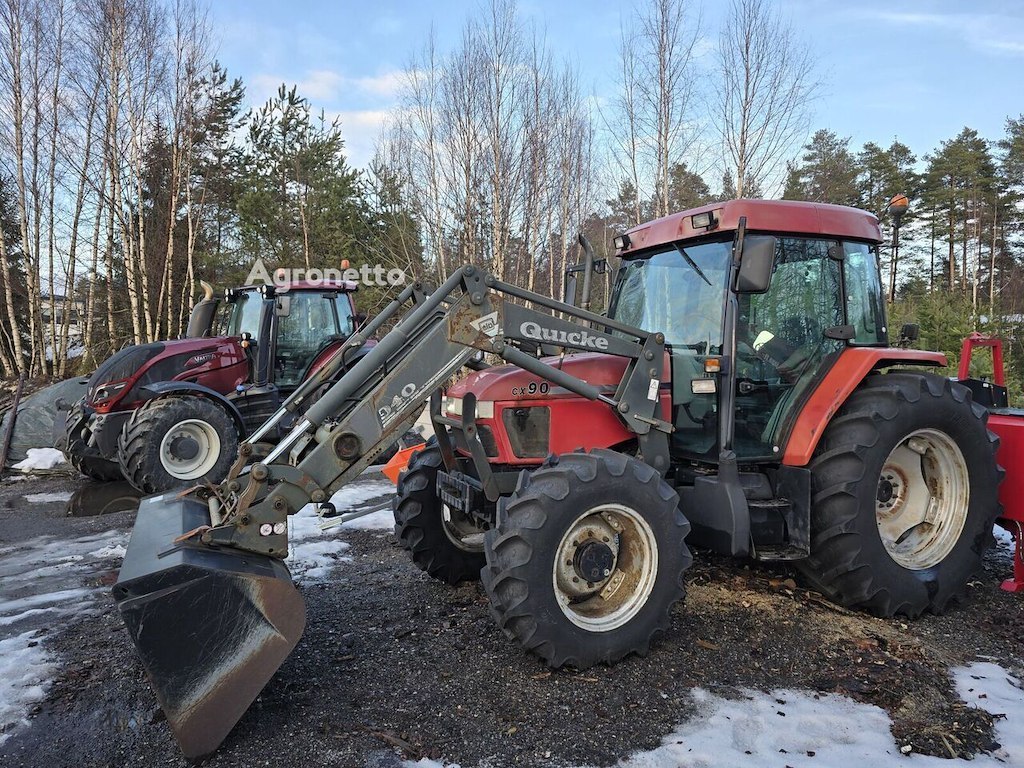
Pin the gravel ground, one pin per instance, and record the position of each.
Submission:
(395, 666)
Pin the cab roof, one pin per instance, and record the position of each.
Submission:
(766, 216)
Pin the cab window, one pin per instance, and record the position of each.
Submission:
(307, 322)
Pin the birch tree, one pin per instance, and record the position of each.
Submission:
(656, 120)
(765, 90)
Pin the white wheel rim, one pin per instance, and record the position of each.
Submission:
(922, 499)
(208, 441)
(615, 597)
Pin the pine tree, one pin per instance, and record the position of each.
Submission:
(300, 204)
(827, 172)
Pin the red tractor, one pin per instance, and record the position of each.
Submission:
(170, 414)
(740, 394)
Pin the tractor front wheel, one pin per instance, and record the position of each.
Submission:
(905, 496)
(587, 559)
(444, 542)
(177, 442)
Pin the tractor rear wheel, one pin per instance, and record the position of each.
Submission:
(587, 559)
(905, 488)
(83, 458)
(444, 542)
(177, 442)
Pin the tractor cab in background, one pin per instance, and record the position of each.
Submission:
(287, 330)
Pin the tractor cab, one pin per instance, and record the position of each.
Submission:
(779, 317)
(287, 331)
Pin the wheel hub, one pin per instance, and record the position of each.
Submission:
(184, 447)
(922, 499)
(605, 567)
(190, 449)
(594, 561)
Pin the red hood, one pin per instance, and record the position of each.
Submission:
(498, 383)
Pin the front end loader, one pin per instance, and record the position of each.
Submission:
(739, 394)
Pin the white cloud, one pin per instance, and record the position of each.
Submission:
(327, 88)
(361, 129)
(990, 33)
(385, 85)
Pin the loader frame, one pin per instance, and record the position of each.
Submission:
(379, 398)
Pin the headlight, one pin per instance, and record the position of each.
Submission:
(108, 390)
(484, 408)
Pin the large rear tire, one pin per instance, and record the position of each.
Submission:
(83, 458)
(442, 541)
(177, 442)
(587, 559)
(905, 486)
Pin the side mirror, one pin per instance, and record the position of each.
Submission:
(283, 306)
(909, 333)
(756, 262)
(357, 321)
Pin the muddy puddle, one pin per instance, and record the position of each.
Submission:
(94, 499)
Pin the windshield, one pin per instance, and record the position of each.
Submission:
(240, 316)
(678, 292)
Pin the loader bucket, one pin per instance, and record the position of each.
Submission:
(211, 626)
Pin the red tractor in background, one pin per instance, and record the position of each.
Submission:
(170, 413)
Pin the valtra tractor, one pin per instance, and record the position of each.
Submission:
(170, 414)
(739, 394)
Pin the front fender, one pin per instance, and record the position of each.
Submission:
(170, 388)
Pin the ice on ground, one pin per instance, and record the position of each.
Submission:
(25, 673)
(990, 687)
(1004, 539)
(40, 458)
(42, 582)
(47, 498)
(352, 496)
(802, 728)
(314, 551)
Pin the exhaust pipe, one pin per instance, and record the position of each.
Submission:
(211, 626)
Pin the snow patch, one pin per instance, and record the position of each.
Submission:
(40, 458)
(47, 498)
(352, 496)
(74, 349)
(43, 582)
(1004, 539)
(312, 552)
(785, 727)
(990, 687)
(25, 672)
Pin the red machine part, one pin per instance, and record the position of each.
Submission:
(1009, 425)
(1010, 428)
(575, 422)
(974, 341)
(219, 363)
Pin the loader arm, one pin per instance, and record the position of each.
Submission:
(203, 591)
(381, 396)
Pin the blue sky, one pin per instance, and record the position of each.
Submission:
(919, 71)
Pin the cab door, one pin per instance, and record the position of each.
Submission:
(781, 346)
